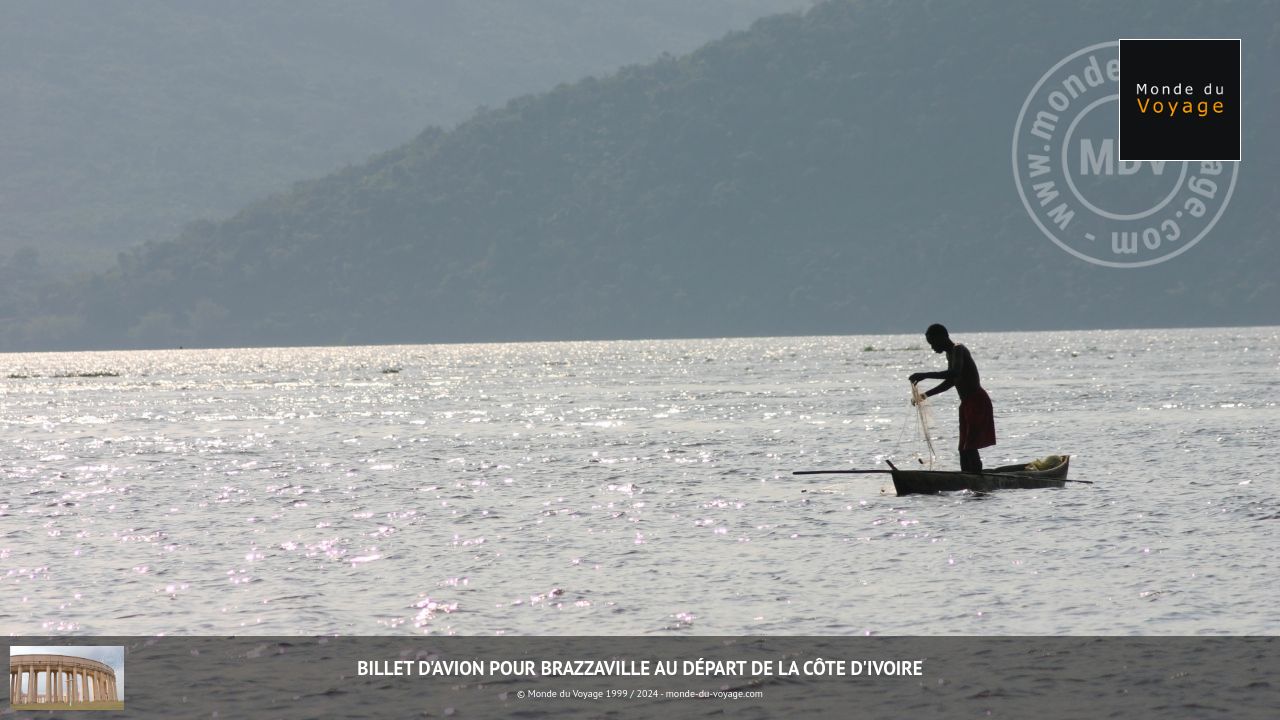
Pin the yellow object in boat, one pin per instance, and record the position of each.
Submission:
(1044, 463)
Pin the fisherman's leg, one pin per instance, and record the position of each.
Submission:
(970, 461)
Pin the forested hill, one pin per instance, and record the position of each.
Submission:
(846, 170)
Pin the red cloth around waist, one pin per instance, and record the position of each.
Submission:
(977, 421)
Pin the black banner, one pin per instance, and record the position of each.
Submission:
(638, 677)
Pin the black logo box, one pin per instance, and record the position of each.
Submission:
(1187, 67)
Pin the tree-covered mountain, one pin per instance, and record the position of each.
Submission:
(124, 120)
(844, 170)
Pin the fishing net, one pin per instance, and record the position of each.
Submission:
(924, 420)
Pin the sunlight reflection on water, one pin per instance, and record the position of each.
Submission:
(636, 487)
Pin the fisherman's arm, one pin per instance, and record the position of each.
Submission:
(940, 375)
(944, 386)
(955, 362)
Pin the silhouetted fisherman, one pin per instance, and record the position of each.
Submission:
(977, 421)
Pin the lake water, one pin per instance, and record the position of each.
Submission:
(637, 488)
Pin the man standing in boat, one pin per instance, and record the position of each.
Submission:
(977, 421)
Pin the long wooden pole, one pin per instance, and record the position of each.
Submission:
(840, 472)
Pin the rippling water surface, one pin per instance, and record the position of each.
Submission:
(635, 488)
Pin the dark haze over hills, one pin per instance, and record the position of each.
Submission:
(845, 170)
(125, 120)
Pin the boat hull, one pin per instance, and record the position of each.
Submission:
(1009, 477)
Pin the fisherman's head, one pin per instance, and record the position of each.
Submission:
(938, 338)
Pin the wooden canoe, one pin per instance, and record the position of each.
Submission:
(1008, 477)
